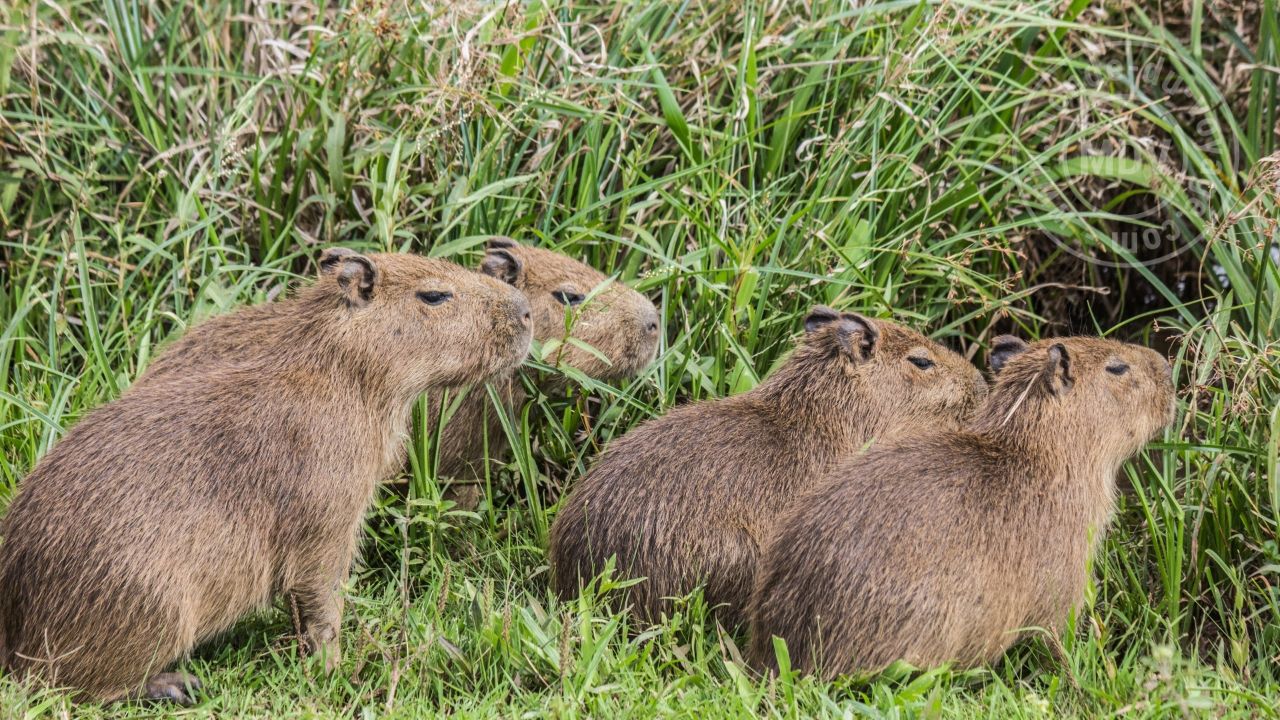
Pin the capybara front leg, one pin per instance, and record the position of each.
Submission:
(320, 612)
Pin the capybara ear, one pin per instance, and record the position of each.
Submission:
(1057, 369)
(819, 317)
(356, 274)
(500, 241)
(859, 336)
(500, 264)
(1004, 348)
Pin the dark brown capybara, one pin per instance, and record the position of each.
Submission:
(947, 547)
(687, 499)
(166, 515)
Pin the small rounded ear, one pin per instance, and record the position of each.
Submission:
(1003, 349)
(820, 316)
(356, 274)
(858, 335)
(1057, 369)
(500, 241)
(500, 264)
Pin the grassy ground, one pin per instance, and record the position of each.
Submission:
(944, 162)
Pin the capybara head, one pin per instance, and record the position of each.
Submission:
(411, 314)
(1115, 394)
(922, 381)
(572, 300)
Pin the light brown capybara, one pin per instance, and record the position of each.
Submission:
(620, 325)
(946, 547)
(166, 515)
(688, 499)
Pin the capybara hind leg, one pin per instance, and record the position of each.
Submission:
(175, 687)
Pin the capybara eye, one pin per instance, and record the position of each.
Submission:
(923, 363)
(434, 297)
(565, 297)
(1118, 368)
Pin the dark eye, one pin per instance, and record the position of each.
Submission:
(564, 297)
(433, 297)
(1118, 368)
(923, 363)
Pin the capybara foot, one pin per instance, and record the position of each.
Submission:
(331, 654)
(323, 643)
(174, 687)
(465, 495)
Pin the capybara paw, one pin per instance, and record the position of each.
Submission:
(332, 657)
(174, 687)
(465, 496)
(323, 644)
(327, 651)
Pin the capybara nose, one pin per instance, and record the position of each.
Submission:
(1162, 367)
(522, 311)
(980, 387)
(649, 321)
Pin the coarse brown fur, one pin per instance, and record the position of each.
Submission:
(164, 516)
(946, 547)
(617, 322)
(687, 499)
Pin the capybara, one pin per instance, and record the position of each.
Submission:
(688, 499)
(946, 547)
(166, 515)
(618, 323)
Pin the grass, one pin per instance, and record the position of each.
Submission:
(943, 163)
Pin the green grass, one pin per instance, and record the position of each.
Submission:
(738, 163)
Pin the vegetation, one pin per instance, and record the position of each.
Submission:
(970, 168)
